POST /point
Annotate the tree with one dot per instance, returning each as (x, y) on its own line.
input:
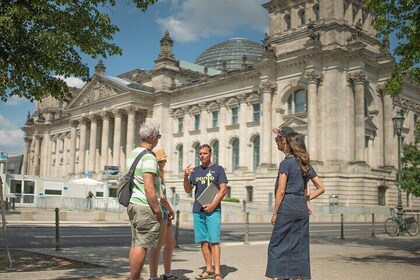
(402, 19)
(41, 39)
(410, 173)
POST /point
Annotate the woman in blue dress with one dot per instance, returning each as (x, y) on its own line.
(288, 250)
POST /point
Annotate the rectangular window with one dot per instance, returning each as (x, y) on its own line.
(215, 119)
(197, 121)
(256, 112)
(235, 115)
(53, 192)
(180, 124)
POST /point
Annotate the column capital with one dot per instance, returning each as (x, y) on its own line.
(313, 77)
(357, 78)
(74, 123)
(105, 115)
(242, 98)
(84, 121)
(268, 86)
(94, 118)
(118, 113)
(27, 139)
(131, 110)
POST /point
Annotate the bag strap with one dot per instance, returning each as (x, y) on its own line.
(136, 161)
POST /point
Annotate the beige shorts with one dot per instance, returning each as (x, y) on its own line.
(144, 226)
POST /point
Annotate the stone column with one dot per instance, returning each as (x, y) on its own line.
(26, 155)
(82, 145)
(45, 153)
(359, 79)
(72, 156)
(131, 112)
(267, 89)
(243, 136)
(389, 152)
(65, 167)
(37, 153)
(117, 138)
(313, 79)
(203, 123)
(223, 153)
(105, 139)
(92, 143)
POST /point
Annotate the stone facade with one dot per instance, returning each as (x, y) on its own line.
(322, 73)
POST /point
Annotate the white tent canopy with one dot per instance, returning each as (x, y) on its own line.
(87, 182)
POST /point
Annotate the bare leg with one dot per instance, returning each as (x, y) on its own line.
(216, 252)
(155, 252)
(137, 256)
(206, 251)
(169, 248)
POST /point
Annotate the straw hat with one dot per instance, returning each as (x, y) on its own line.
(160, 154)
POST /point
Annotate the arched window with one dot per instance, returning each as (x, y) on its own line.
(235, 154)
(180, 158)
(256, 152)
(196, 154)
(302, 17)
(216, 152)
(296, 103)
(316, 12)
(288, 21)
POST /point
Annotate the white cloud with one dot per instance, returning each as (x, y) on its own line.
(72, 81)
(14, 101)
(11, 137)
(203, 18)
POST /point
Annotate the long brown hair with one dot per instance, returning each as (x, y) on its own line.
(298, 150)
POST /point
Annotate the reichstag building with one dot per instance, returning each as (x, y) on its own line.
(319, 70)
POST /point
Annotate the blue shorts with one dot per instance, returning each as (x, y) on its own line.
(207, 227)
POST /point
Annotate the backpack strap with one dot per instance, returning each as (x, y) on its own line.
(136, 161)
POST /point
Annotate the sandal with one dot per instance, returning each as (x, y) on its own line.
(210, 275)
(218, 276)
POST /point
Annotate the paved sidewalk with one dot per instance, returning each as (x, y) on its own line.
(381, 258)
(371, 258)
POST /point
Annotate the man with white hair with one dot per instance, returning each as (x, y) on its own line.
(144, 211)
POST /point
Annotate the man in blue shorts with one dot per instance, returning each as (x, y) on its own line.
(207, 218)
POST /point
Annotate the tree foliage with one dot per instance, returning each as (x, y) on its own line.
(402, 19)
(410, 173)
(40, 39)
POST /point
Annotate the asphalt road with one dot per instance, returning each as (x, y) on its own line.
(76, 236)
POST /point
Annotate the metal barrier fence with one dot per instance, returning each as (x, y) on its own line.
(72, 203)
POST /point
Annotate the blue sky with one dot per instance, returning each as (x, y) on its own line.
(194, 25)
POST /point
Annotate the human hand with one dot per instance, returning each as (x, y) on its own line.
(158, 215)
(171, 215)
(273, 218)
(188, 170)
(308, 204)
(208, 208)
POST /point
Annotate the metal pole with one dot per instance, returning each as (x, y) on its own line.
(3, 219)
(399, 205)
(342, 226)
(373, 225)
(246, 227)
(57, 229)
(177, 229)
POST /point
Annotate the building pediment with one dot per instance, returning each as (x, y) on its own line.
(96, 90)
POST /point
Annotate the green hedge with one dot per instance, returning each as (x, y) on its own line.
(232, 199)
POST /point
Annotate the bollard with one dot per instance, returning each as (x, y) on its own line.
(342, 226)
(57, 229)
(246, 227)
(373, 225)
(177, 229)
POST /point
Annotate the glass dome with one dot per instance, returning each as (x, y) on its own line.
(232, 52)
